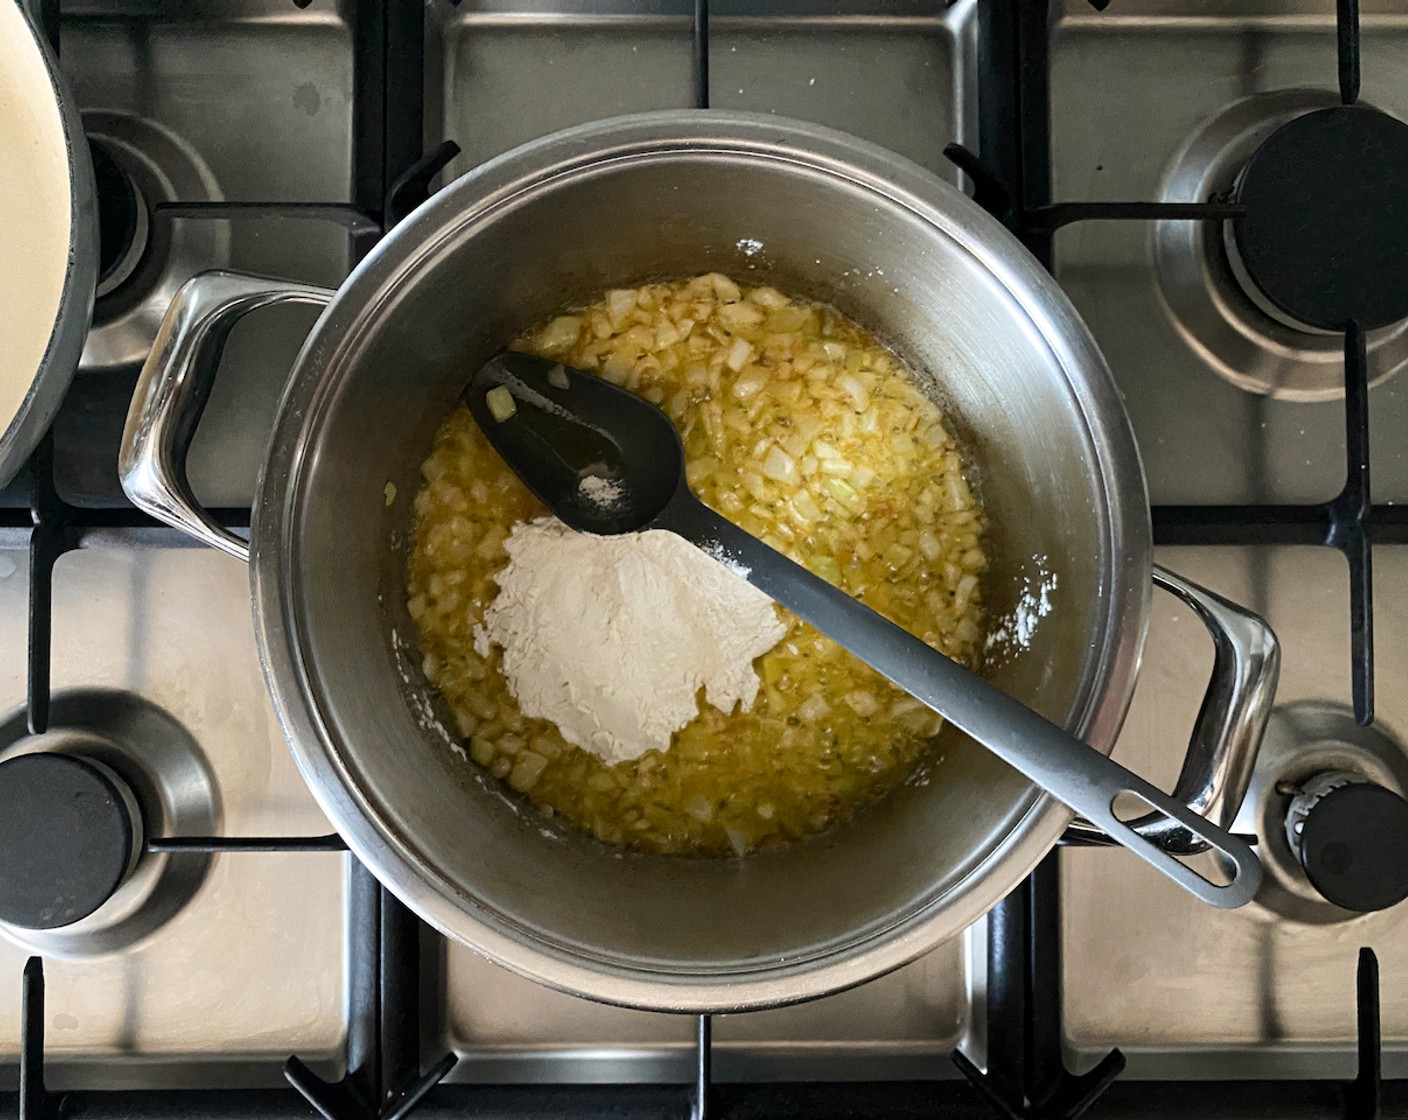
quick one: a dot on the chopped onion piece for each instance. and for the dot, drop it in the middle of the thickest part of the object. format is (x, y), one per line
(753, 483)
(768, 297)
(617, 369)
(740, 315)
(620, 302)
(501, 403)
(559, 334)
(863, 703)
(482, 751)
(527, 769)
(738, 354)
(700, 808)
(844, 493)
(726, 289)
(748, 386)
(827, 568)
(856, 391)
(963, 592)
(699, 470)
(796, 444)
(780, 466)
(805, 507)
(813, 708)
(557, 377)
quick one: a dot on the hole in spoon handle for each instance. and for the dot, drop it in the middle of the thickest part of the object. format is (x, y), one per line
(1239, 872)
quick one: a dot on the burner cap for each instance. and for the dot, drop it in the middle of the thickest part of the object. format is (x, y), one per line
(1354, 847)
(1325, 233)
(66, 839)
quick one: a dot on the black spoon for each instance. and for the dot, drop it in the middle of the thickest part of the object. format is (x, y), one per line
(560, 427)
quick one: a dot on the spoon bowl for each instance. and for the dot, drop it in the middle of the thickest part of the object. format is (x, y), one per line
(572, 427)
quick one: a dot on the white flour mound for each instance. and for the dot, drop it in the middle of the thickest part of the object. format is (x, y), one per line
(611, 638)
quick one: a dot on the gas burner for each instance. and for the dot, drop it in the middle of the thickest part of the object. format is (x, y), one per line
(138, 165)
(77, 805)
(123, 220)
(1326, 222)
(1220, 301)
(70, 833)
(1327, 804)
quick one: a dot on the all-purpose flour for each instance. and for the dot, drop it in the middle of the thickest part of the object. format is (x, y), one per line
(612, 638)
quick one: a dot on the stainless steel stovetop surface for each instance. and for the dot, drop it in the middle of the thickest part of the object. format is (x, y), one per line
(253, 966)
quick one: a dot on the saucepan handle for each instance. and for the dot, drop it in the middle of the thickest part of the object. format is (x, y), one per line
(174, 387)
(1223, 747)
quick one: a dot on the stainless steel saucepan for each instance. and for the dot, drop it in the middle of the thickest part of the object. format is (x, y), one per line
(550, 225)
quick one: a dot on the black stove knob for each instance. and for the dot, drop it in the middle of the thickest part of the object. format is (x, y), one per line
(69, 836)
(1352, 839)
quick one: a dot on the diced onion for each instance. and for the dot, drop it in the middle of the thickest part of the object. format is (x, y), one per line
(697, 471)
(827, 568)
(780, 466)
(748, 385)
(856, 391)
(738, 354)
(482, 751)
(620, 302)
(794, 429)
(740, 315)
(768, 297)
(805, 507)
(863, 703)
(528, 767)
(559, 334)
(700, 808)
(727, 290)
(844, 493)
(501, 403)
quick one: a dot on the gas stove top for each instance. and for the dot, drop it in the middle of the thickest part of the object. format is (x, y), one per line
(1165, 158)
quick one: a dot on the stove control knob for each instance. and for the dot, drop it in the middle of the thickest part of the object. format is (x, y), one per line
(1351, 836)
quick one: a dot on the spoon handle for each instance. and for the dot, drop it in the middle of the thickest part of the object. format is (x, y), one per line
(1081, 777)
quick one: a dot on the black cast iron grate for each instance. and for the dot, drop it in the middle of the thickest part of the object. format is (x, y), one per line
(1024, 1075)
